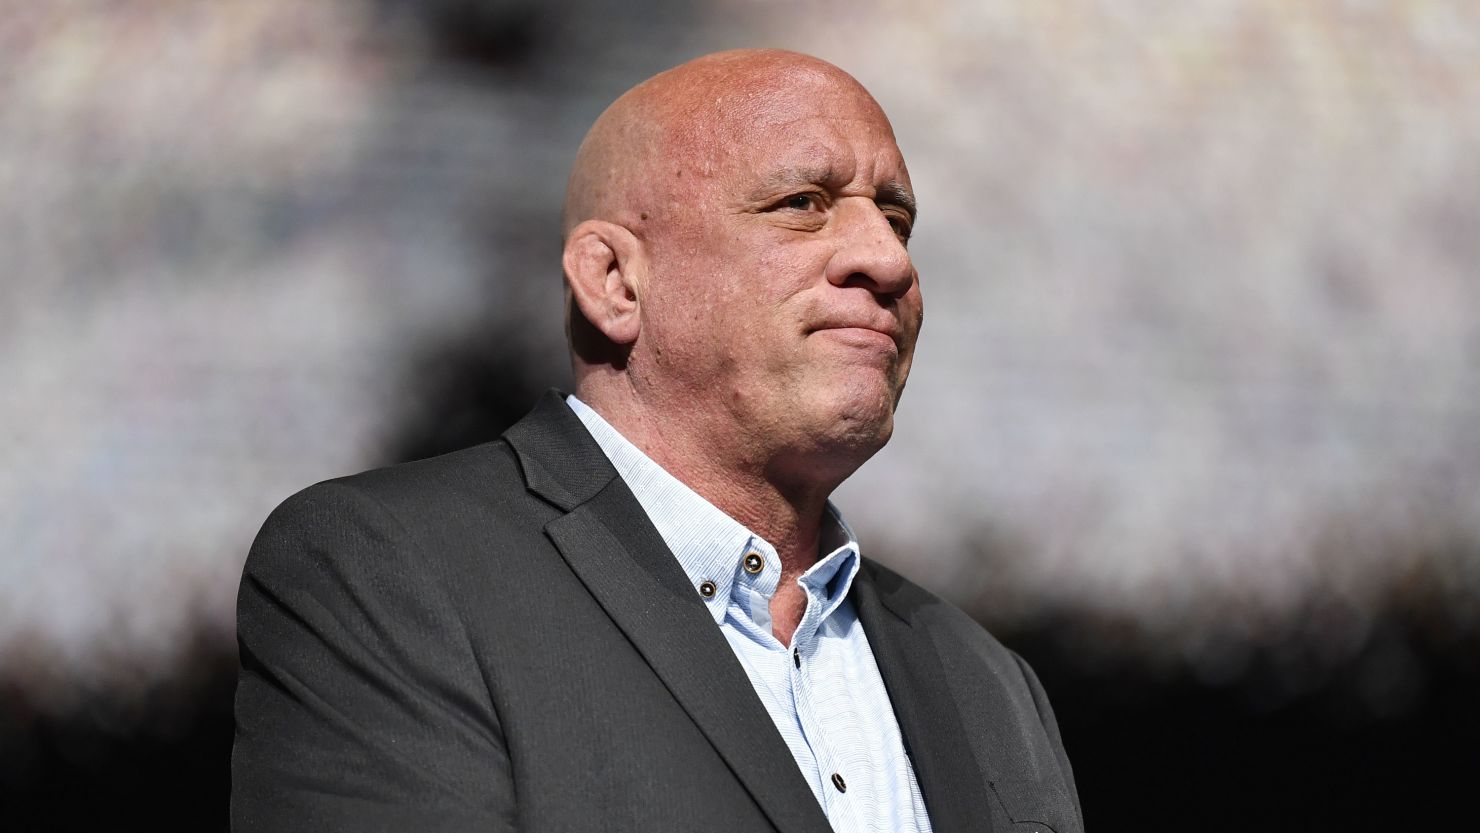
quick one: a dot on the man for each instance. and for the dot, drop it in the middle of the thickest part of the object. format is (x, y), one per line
(637, 611)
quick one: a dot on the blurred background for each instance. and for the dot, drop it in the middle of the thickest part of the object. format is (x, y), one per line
(1194, 425)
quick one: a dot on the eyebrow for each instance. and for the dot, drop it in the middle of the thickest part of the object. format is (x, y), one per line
(887, 193)
(794, 175)
(895, 193)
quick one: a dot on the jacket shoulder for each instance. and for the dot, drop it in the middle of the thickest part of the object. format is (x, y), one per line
(477, 484)
(422, 515)
(482, 475)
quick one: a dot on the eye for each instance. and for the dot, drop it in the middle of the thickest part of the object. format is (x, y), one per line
(802, 202)
(901, 225)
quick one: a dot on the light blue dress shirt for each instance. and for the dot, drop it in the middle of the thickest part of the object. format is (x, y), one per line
(823, 690)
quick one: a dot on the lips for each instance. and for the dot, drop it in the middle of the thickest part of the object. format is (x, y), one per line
(869, 336)
(864, 328)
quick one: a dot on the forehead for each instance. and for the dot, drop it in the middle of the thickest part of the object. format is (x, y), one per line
(819, 126)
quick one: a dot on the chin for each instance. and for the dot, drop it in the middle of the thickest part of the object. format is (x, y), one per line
(860, 417)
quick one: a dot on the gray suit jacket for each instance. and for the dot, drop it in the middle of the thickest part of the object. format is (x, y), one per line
(498, 639)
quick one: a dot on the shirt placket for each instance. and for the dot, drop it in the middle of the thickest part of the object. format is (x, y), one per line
(830, 784)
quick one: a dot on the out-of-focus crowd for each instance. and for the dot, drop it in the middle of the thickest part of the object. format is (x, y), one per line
(1202, 353)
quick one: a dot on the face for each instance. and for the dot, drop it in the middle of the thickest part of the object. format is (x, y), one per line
(782, 301)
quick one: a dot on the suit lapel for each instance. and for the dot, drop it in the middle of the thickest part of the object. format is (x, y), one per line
(949, 774)
(613, 548)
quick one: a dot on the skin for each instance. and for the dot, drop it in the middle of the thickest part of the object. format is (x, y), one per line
(742, 304)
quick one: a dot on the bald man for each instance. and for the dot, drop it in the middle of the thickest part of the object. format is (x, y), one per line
(638, 609)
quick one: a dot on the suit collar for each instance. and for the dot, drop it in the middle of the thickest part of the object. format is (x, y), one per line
(708, 544)
(561, 462)
(616, 552)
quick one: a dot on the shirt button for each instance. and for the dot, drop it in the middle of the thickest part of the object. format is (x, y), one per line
(754, 563)
(707, 589)
(839, 783)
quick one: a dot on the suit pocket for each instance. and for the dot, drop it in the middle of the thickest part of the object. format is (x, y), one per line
(1036, 806)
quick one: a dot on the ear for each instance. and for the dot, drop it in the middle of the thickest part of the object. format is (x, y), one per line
(605, 267)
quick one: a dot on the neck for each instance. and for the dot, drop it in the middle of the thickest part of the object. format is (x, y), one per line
(782, 503)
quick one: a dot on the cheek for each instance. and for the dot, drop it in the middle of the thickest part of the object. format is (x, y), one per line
(694, 318)
(790, 263)
(912, 308)
(728, 297)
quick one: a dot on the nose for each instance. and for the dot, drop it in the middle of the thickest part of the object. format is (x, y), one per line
(870, 253)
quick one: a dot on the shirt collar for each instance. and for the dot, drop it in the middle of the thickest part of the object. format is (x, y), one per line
(829, 580)
(709, 545)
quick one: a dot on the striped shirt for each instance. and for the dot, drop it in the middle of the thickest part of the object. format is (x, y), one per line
(823, 691)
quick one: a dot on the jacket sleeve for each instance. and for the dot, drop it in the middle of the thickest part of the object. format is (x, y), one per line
(359, 705)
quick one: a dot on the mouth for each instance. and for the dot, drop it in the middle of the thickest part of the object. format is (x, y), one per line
(863, 335)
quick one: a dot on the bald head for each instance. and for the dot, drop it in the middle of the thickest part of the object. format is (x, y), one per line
(680, 122)
(740, 293)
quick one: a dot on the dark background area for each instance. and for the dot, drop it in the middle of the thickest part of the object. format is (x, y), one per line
(1152, 750)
